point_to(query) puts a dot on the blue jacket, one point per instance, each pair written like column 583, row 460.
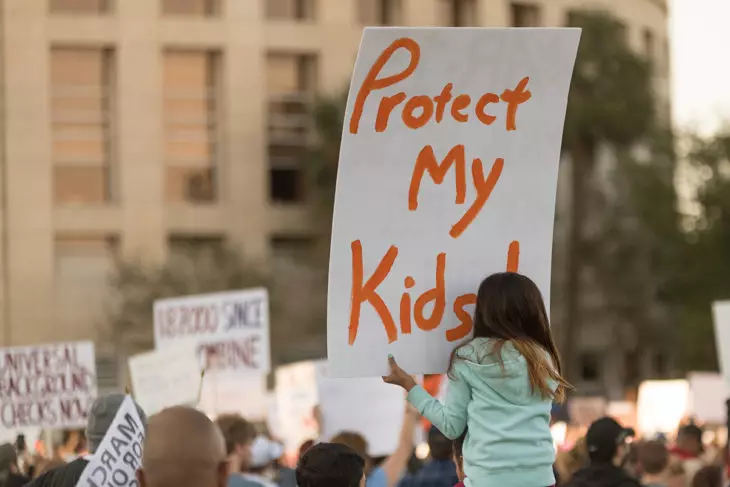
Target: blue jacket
column 436, row 473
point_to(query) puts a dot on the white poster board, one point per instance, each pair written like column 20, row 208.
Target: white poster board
column 234, row 392
column 47, row 386
column 447, row 173
column 707, row 396
column 721, row 315
column 231, row 328
column 166, row 377
column 119, row 455
column 364, row 405
column 661, row 405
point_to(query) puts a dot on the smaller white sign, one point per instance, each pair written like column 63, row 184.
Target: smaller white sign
column 166, row 377
column 707, row 396
column 721, row 314
column 661, row 405
column 115, row 462
column 296, row 398
column 225, row 392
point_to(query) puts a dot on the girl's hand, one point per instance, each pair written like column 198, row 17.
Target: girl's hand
column 399, row 376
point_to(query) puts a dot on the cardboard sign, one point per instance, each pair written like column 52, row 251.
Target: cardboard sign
column 47, row 386
column 166, row 377
column 721, row 315
column 115, row 462
column 232, row 328
column 448, row 172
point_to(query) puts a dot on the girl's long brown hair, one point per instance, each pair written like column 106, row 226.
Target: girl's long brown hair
column 510, row 309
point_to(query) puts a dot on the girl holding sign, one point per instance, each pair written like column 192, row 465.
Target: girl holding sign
column 501, row 387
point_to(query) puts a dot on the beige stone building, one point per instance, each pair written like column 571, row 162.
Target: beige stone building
column 130, row 126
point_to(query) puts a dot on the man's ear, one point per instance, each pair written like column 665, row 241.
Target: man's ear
column 222, row 480
column 140, row 478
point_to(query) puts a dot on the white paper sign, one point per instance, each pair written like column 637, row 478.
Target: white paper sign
column 47, row 386
column 707, row 396
column 661, row 405
column 296, row 398
column 226, row 392
column 721, row 315
column 232, row 328
column 448, row 172
column 365, row 405
column 115, row 462
column 166, row 377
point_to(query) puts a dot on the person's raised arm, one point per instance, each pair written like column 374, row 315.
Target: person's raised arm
column 395, row 465
column 449, row 418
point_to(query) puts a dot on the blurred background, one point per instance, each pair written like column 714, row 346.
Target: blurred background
column 154, row 148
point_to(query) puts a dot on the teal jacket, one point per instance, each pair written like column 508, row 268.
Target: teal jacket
column 508, row 443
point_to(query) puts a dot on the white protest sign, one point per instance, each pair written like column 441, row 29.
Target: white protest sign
column 226, row 392
column 166, row 377
column 448, row 172
column 296, row 398
column 721, row 315
column 707, row 396
column 115, row 462
column 47, row 386
column 365, row 405
column 661, row 405
column 232, row 328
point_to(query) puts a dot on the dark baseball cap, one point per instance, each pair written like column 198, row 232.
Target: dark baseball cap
column 604, row 437
column 8, row 457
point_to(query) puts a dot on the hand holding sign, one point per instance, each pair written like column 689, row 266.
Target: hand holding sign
column 398, row 376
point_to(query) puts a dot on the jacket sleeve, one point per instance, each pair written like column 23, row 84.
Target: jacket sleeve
column 449, row 418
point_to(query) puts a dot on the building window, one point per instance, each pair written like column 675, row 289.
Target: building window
column 79, row 6
column 649, row 45
column 190, row 111
column 190, row 7
column 291, row 80
column 380, row 12
column 458, row 13
column 83, row 267
column 290, row 9
column 81, row 114
column 526, row 15
column 590, row 367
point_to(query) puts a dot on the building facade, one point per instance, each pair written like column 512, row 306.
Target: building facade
column 131, row 126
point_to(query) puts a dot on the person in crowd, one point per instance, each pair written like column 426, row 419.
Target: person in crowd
column 440, row 470
column 569, row 462
column 100, row 418
column 606, row 443
column 239, row 435
column 502, row 384
column 689, row 449
column 304, row 447
column 183, row 447
column 709, row 476
column 391, row 470
column 458, row 452
column 264, row 468
column 10, row 475
column 331, row 465
column 654, row 463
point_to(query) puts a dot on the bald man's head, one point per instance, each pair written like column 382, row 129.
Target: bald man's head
column 183, row 447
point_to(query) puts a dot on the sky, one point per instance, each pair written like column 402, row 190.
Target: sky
column 700, row 38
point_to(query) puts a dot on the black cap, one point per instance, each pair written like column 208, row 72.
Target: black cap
column 603, row 438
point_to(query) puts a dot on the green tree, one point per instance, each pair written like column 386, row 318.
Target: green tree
column 706, row 260
column 192, row 271
column 611, row 104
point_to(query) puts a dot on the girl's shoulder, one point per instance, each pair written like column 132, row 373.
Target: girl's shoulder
column 487, row 351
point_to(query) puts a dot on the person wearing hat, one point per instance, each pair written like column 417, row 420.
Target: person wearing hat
column 607, row 445
column 100, row 418
column 9, row 472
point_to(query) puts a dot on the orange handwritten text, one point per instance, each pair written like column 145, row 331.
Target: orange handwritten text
column 420, row 109
column 410, row 312
column 426, row 162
